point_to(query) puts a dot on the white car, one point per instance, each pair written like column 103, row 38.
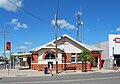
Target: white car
column 1, row 62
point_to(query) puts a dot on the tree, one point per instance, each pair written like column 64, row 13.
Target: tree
column 85, row 56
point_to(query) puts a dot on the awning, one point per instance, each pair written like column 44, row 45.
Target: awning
column 22, row 54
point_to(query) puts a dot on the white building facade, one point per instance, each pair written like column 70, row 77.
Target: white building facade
column 114, row 48
column 111, row 50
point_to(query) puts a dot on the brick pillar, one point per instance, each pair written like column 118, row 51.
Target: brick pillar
column 76, row 58
column 90, row 65
column 34, row 59
column 100, row 61
column 64, row 60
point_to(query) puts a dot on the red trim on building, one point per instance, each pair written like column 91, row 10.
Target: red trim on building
column 99, row 55
column 43, row 58
column 100, row 60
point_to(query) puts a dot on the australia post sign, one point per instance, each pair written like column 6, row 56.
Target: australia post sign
column 8, row 46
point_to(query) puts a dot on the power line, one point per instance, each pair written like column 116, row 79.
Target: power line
column 79, row 37
column 57, row 8
column 38, row 18
column 33, row 15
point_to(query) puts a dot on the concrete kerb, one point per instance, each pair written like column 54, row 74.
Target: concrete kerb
column 30, row 73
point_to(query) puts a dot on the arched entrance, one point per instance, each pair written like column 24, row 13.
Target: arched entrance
column 49, row 56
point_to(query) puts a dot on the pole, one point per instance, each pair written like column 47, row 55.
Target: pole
column 10, row 63
column 113, row 59
column 13, row 62
column 56, row 32
column 4, row 49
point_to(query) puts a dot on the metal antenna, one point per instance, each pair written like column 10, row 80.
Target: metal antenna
column 79, row 23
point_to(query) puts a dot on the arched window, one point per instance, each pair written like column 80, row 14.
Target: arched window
column 50, row 56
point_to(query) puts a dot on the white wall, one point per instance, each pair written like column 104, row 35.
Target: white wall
column 105, row 47
column 65, row 44
column 116, row 46
column 112, row 44
column 69, row 46
column 40, row 56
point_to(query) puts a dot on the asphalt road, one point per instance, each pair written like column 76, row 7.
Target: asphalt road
column 95, row 78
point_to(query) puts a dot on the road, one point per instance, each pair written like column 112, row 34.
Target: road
column 94, row 78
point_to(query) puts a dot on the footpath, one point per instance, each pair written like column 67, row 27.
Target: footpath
column 31, row 73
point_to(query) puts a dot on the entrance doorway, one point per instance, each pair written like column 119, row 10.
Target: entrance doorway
column 49, row 64
column 117, row 58
column 95, row 62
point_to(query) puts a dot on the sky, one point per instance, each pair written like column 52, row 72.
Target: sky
column 30, row 23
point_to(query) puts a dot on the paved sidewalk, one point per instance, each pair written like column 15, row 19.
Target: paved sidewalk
column 29, row 72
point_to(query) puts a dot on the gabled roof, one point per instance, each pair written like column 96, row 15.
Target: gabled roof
column 44, row 46
column 91, row 48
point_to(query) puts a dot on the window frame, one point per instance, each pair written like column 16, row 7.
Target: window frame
column 50, row 56
column 72, row 57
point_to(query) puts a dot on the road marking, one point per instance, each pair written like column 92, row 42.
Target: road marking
column 29, row 82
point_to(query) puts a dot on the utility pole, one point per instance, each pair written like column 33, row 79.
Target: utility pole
column 4, row 45
column 56, row 43
column 79, row 23
column 4, row 48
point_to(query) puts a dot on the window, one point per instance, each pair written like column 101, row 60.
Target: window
column 50, row 56
column 79, row 60
column 73, row 58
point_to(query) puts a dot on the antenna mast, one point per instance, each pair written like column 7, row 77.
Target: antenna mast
column 79, row 23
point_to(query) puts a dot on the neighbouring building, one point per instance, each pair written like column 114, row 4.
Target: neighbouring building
column 111, row 50
column 68, row 54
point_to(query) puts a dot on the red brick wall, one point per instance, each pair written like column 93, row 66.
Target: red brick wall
column 66, row 59
column 40, row 67
column 34, row 66
column 34, row 58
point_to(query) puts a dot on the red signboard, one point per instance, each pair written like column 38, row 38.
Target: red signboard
column 117, row 40
column 8, row 46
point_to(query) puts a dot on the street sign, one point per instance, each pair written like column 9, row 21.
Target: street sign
column 8, row 46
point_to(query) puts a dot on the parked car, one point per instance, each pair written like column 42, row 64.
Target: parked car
column 2, row 62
